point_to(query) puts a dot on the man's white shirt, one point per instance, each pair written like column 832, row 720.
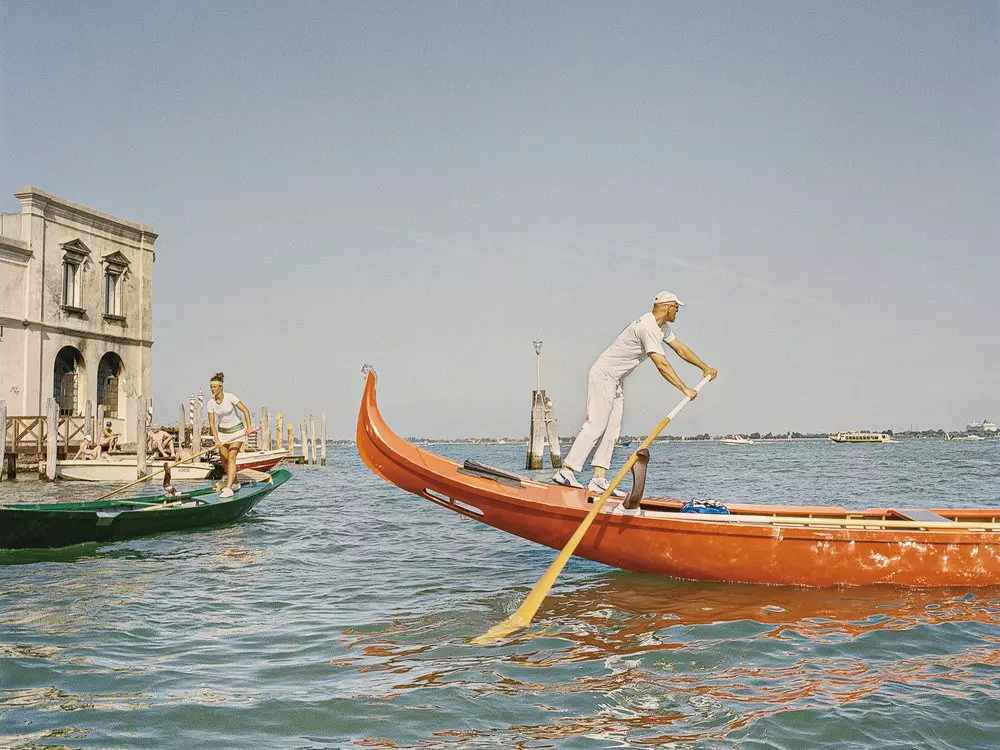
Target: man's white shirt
column 634, row 344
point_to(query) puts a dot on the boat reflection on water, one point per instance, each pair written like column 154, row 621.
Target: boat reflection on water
column 637, row 660
column 632, row 606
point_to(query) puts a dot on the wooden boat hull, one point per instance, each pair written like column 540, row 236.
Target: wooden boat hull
column 785, row 545
column 50, row 525
column 124, row 468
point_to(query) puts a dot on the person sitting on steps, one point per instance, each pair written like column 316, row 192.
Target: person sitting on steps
column 109, row 439
column 161, row 441
column 87, row 450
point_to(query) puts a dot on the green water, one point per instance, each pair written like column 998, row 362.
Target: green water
column 339, row 615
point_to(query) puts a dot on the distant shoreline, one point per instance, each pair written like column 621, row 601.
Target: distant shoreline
column 566, row 441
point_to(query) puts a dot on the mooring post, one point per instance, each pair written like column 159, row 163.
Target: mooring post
column 88, row 429
column 181, row 429
column 279, row 422
column 52, row 437
column 536, row 441
column 140, row 436
column 99, row 426
column 291, row 438
column 312, row 440
column 543, row 422
column 322, row 444
column 196, row 432
column 552, row 432
column 264, row 441
column 3, row 436
column 305, row 442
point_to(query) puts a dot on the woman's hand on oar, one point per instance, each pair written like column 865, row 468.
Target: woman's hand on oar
column 170, row 466
column 524, row 614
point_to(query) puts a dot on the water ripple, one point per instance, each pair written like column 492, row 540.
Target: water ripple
column 340, row 615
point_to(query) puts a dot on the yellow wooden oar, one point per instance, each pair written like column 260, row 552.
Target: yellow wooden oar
column 182, row 461
column 524, row 614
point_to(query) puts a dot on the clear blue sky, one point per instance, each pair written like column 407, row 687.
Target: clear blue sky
column 430, row 186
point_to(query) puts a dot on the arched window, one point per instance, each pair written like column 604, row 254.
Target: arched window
column 66, row 379
column 109, row 373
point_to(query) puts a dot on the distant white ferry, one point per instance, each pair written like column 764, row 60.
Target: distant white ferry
column 737, row 440
column 860, row 436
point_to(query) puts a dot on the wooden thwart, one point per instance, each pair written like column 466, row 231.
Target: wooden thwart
column 919, row 514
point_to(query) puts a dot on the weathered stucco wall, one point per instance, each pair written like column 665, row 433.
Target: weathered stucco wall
column 33, row 246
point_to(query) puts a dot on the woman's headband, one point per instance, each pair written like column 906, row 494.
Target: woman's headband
column 215, row 382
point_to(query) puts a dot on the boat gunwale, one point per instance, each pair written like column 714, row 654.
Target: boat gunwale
column 90, row 506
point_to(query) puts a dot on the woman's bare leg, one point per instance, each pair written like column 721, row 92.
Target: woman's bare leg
column 229, row 460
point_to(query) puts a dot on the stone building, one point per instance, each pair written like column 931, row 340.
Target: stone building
column 76, row 307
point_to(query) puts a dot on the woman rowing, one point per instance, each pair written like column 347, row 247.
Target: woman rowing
column 229, row 422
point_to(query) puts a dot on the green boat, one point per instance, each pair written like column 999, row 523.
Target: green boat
column 50, row 525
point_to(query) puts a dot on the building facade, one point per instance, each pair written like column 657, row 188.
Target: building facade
column 76, row 308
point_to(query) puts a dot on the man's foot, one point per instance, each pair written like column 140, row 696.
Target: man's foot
column 599, row 485
column 226, row 492
column 566, row 478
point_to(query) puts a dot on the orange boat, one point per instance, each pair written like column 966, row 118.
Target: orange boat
column 770, row 544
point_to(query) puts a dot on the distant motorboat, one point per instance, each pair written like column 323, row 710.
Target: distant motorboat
column 737, row 440
column 963, row 438
column 861, row 436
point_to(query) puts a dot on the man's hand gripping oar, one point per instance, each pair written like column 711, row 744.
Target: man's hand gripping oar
column 524, row 614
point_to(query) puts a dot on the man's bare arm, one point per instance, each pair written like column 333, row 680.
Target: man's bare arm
column 685, row 353
column 667, row 371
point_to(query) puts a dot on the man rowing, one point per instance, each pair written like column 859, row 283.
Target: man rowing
column 641, row 339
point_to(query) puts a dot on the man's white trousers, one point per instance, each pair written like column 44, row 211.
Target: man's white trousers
column 605, row 400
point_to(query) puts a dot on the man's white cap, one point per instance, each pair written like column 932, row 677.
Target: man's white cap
column 664, row 297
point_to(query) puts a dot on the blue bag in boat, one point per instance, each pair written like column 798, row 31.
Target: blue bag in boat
column 704, row 506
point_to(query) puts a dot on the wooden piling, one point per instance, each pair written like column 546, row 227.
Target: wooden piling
column 305, row 442
column 291, row 439
column 140, row 436
column 279, row 423
column 196, row 432
column 312, row 440
column 322, row 445
column 552, row 432
column 52, row 437
column 536, row 439
column 265, row 426
column 88, row 429
column 3, row 436
column 543, row 425
column 181, row 429
column 99, row 426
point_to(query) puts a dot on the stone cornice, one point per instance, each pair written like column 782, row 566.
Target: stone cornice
column 66, row 331
column 16, row 249
column 34, row 200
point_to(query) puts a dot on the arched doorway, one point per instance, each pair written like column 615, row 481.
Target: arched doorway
column 109, row 380
column 67, row 378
